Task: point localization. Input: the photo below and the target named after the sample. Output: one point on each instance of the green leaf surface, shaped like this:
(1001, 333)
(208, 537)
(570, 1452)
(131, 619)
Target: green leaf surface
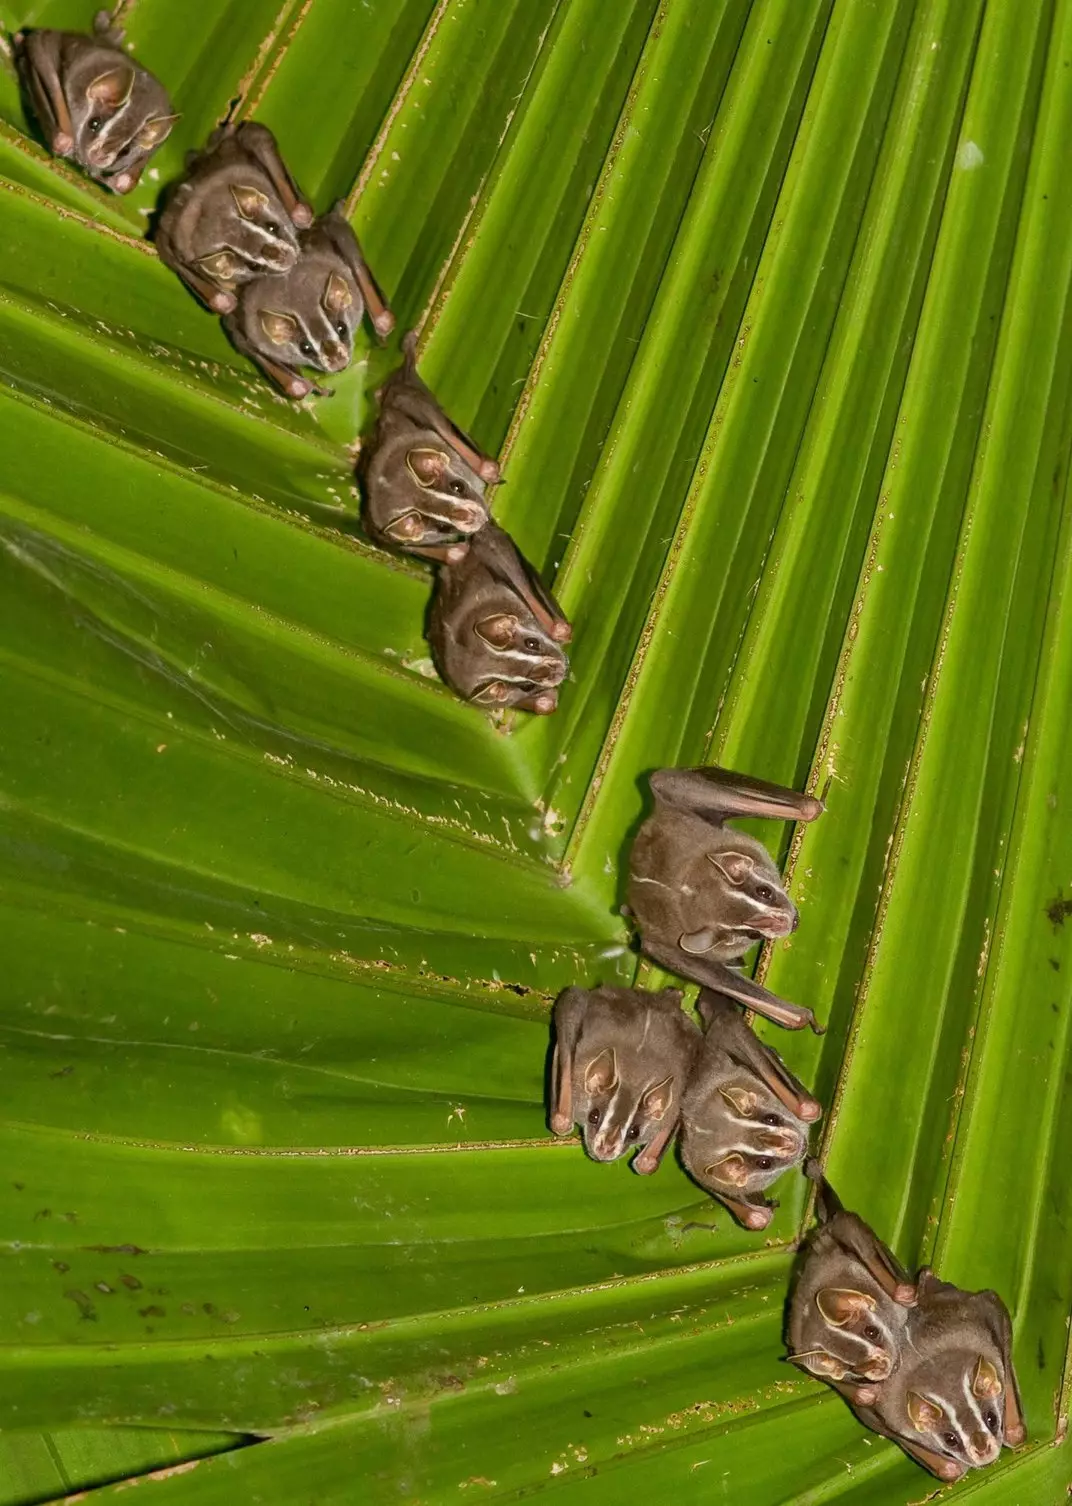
(765, 305)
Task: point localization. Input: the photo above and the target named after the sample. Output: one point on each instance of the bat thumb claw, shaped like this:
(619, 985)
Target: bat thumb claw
(816, 1027)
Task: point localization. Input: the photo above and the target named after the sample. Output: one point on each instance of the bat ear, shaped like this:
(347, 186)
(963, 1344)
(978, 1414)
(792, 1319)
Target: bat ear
(338, 294)
(926, 1415)
(601, 1073)
(248, 200)
(111, 89)
(657, 1100)
(839, 1305)
(281, 329)
(497, 631)
(735, 866)
(154, 131)
(741, 1100)
(731, 1170)
(219, 264)
(426, 466)
(986, 1382)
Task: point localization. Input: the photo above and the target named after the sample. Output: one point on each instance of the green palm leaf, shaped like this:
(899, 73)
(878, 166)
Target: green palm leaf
(766, 307)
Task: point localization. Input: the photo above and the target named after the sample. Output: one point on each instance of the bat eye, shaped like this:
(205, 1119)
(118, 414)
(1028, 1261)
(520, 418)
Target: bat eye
(456, 488)
(306, 348)
(593, 1117)
(272, 228)
(533, 645)
(764, 892)
(951, 1440)
(872, 1334)
(770, 1119)
(94, 125)
(764, 1163)
(991, 1421)
(633, 1132)
(341, 330)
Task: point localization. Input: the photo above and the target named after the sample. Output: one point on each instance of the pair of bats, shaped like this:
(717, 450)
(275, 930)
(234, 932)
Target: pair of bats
(632, 1069)
(292, 289)
(922, 1362)
(496, 633)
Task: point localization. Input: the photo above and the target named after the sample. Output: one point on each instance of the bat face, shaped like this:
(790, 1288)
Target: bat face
(95, 104)
(954, 1409)
(621, 1060)
(424, 481)
(711, 892)
(496, 634)
(228, 223)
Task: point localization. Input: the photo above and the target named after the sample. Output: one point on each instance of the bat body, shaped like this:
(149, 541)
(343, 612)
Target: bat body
(307, 316)
(94, 104)
(621, 1060)
(702, 894)
(851, 1303)
(235, 216)
(496, 634)
(953, 1401)
(424, 480)
(745, 1117)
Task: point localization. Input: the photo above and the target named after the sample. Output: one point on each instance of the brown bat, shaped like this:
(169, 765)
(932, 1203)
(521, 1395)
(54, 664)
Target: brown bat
(307, 316)
(496, 634)
(620, 1064)
(94, 104)
(702, 894)
(234, 217)
(851, 1302)
(424, 480)
(745, 1117)
(953, 1401)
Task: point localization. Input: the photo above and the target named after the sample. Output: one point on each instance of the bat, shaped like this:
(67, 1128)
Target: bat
(621, 1060)
(851, 1302)
(953, 1401)
(745, 1117)
(307, 316)
(702, 894)
(234, 217)
(94, 104)
(496, 634)
(424, 480)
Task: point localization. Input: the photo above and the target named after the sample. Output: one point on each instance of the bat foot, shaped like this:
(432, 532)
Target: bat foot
(810, 1110)
(298, 387)
(865, 1396)
(1015, 1435)
(383, 323)
(302, 216)
(223, 303)
(455, 554)
(905, 1294)
(757, 1218)
(122, 182)
(560, 1124)
(948, 1469)
(488, 470)
(561, 632)
(543, 705)
(62, 144)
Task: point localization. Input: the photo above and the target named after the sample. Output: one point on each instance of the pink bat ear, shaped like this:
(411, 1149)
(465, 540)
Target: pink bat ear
(111, 89)
(657, 1100)
(925, 1415)
(735, 866)
(426, 466)
(731, 1171)
(986, 1382)
(154, 131)
(601, 1073)
(740, 1099)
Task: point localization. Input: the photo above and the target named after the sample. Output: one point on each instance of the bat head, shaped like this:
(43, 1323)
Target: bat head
(742, 892)
(954, 1406)
(434, 498)
(621, 1111)
(307, 317)
(851, 1335)
(254, 229)
(737, 1138)
(496, 634)
(120, 116)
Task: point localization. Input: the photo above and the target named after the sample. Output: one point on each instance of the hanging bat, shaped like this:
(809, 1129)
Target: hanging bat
(953, 1400)
(424, 480)
(745, 1117)
(496, 634)
(94, 104)
(235, 216)
(307, 316)
(621, 1060)
(851, 1302)
(702, 894)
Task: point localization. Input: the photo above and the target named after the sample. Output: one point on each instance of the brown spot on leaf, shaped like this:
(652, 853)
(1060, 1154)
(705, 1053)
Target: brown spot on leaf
(151, 1312)
(1059, 910)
